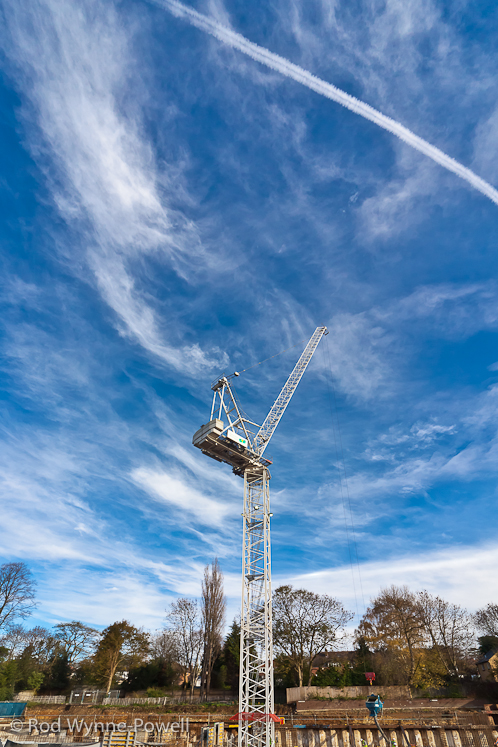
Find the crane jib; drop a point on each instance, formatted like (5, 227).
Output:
(273, 418)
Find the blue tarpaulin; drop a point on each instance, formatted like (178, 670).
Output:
(11, 709)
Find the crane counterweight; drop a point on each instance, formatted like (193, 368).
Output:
(225, 445)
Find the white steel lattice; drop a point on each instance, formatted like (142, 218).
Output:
(229, 437)
(273, 418)
(256, 697)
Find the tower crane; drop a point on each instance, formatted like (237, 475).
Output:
(231, 437)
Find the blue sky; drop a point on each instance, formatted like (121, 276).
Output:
(172, 209)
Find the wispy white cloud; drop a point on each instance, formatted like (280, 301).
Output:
(420, 435)
(367, 350)
(103, 596)
(140, 323)
(453, 310)
(406, 474)
(174, 491)
(76, 448)
(50, 522)
(461, 574)
(395, 206)
(484, 410)
(204, 469)
(381, 55)
(76, 63)
(356, 354)
(486, 146)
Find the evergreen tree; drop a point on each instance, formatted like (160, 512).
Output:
(59, 673)
(231, 656)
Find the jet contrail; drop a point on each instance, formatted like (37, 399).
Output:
(283, 66)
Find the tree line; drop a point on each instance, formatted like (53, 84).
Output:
(422, 640)
(73, 654)
(407, 638)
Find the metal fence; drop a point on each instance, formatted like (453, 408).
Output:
(168, 700)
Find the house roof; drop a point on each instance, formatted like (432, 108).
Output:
(487, 656)
(324, 657)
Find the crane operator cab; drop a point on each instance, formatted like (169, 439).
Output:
(374, 705)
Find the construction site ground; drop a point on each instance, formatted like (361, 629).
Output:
(318, 723)
(326, 710)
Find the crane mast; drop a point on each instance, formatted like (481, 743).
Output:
(232, 438)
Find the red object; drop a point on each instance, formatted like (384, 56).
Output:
(255, 717)
(370, 676)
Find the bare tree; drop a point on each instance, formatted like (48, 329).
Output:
(37, 643)
(14, 639)
(487, 620)
(164, 646)
(394, 623)
(76, 641)
(185, 620)
(450, 630)
(40, 643)
(213, 620)
(17, 593)
(164, 656)
(304, 625)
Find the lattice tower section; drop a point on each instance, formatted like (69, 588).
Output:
(256, 697)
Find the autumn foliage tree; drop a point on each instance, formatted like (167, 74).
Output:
(449, 629)
(121, 646)
(393, 624)
(417, 638)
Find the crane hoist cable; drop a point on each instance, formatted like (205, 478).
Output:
(343, 481)
(237, 373)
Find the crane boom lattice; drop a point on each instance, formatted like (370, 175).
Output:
(273, 418)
